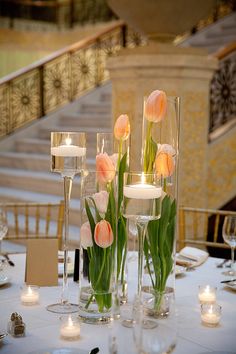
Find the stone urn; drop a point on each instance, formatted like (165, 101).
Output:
(161, 20)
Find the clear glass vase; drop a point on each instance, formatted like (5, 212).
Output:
(97, 279)
(118, 151)
(160, 155)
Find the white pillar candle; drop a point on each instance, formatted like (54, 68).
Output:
(207, 294)
(210, 314)
(142, 191)
(68, 151)
(29, 295)
(70, 329)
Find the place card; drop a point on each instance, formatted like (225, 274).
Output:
(42, 262)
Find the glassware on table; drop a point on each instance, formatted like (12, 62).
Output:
(161, 338)
(3, 226)
(98, 246)
(68, 157)
(118, 151)
(141, 203)
(229, 236)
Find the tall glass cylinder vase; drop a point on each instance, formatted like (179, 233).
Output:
(68, 156)
(98, 245)
(118, 151)
(160, 154)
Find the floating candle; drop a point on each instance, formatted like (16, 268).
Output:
(29, 295)
(207, 294)
(68, 150)
(210, 314)
(70, 328)
(142, 191)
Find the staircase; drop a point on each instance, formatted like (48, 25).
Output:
(215, 36)
(25, 164)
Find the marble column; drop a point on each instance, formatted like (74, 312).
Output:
(184, 72)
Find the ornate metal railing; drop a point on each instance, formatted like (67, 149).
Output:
(46, 85)
(223, 90)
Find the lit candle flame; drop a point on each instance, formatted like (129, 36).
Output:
(68, 141)
(30, 290)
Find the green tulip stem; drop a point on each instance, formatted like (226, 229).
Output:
(165, 185)
(99, 278)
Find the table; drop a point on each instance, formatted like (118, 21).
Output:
(42, 327)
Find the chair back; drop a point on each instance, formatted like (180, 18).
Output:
(201, 228)
(34, 220)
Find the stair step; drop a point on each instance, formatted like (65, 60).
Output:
(91, 132)
(42, 146)
(85, 120)
(33, 145)
(16, 195)
(95, 108)
(39, 182)
(33, 162)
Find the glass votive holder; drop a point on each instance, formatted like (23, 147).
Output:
(70, 328)
(207, 294)
(29, 295)
(210, 314)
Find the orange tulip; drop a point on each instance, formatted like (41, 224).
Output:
(164, 164)
(156, 105)
(105, 168)
(122, 127)
(103, 235)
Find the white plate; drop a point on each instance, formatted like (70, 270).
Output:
(4, 279)
(70, 268)
(179, 270)
(59, 351)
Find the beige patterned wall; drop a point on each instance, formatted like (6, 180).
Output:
(221, 182)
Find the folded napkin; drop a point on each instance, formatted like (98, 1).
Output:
(191, 257)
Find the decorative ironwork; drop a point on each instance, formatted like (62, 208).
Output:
(4, 109)
(56, 83)
(59, 78)
(223, 94)
(25, 103)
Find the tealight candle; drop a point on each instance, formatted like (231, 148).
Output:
(68, 151)
(142, 191)
(29, 295)
(210, 314)
(70, 328)
(207, 294)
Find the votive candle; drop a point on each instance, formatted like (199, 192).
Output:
(207, 294)
(70, 328)
(29, 295)
(210, 314)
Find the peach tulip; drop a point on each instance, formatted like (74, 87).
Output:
(103, 235)
(122, 127)
(156, 105)
(101, 201)
(164, 164)
(166, 148)
(86, 235)
(105, 169)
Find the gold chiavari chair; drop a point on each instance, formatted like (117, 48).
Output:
(28, 220)
(201, 228)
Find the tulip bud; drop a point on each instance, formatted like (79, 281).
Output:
(86, 236)
(103, 235)
(105, 169)
(166, 148)
(164, 164)
(122, 127)
(156, 105)
(101, 201)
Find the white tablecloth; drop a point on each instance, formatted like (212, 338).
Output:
(42, 327)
